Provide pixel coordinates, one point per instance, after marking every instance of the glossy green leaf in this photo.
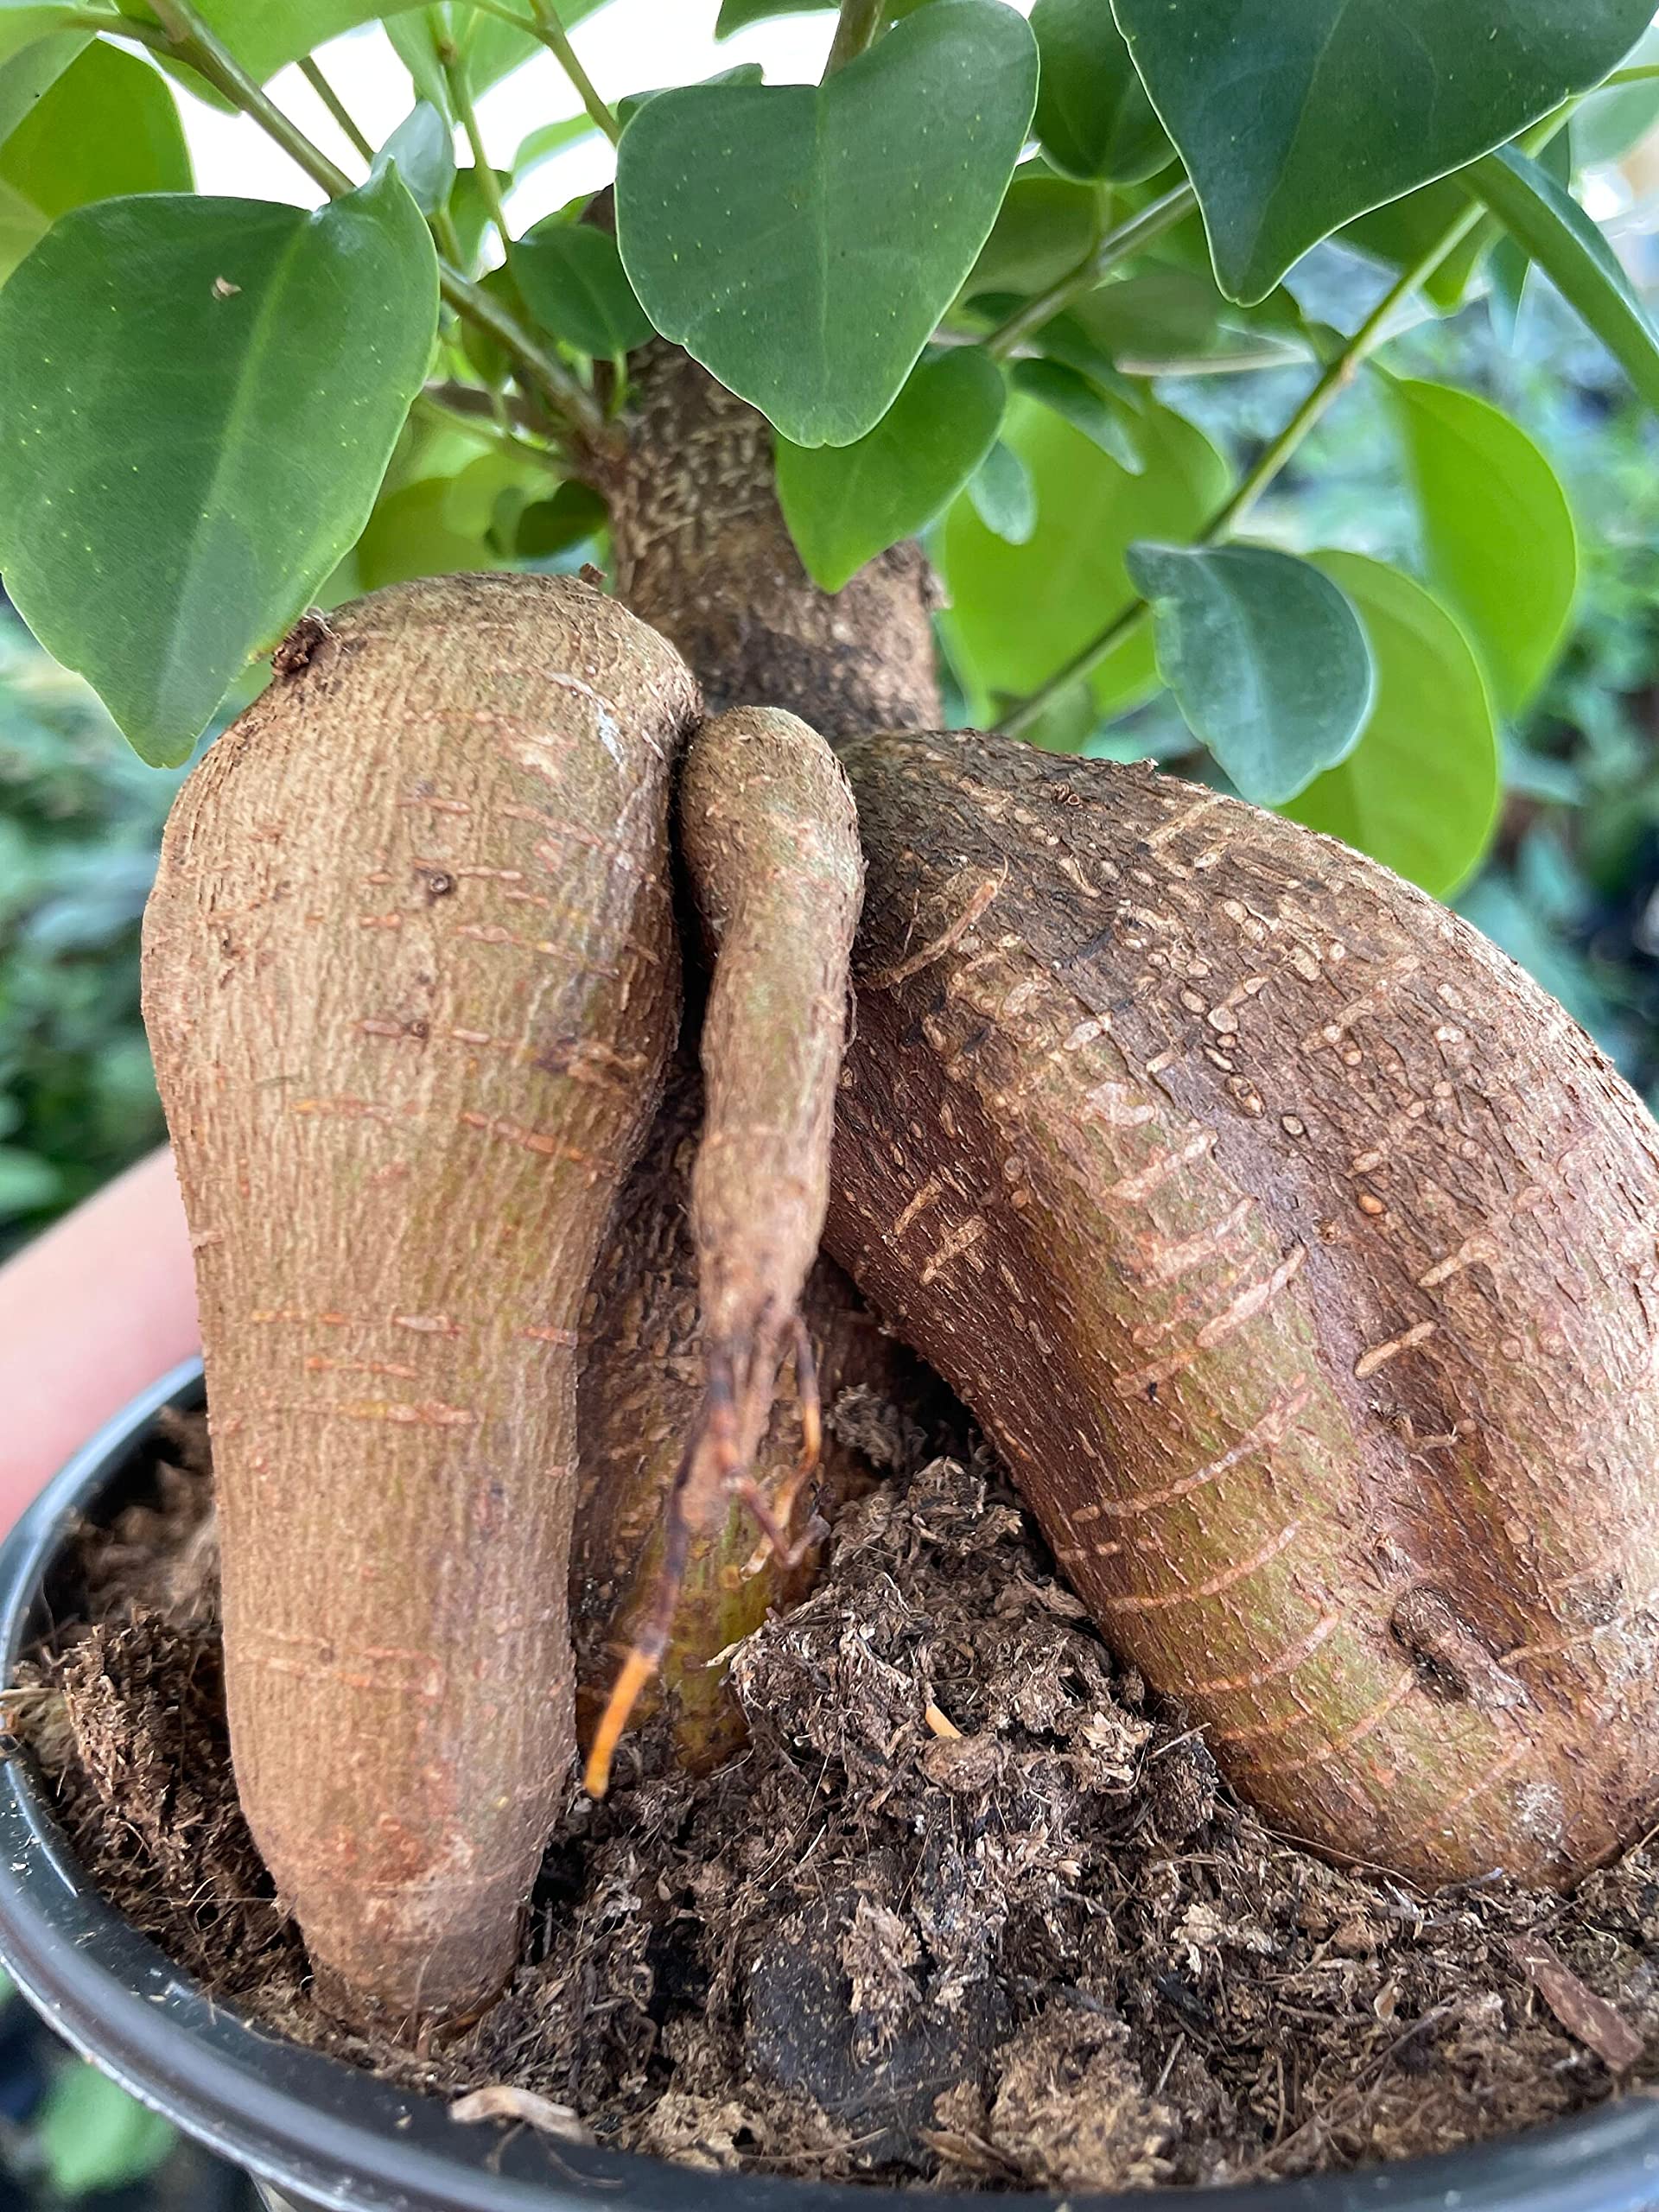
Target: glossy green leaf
(1093, 117)
(1295, 116)
(744, 72)
(29, 64)
(1572, 253)
(738, 15)
(411, 534)
(1499, 539)
(108, 126)
(266, 35)
(1510, 264)
(1607, 124)
(1403, 234)
(845, 504)
(549, 138)
(1019, 612)
(1045, 226)
(1419, 792)
(572, 280)
(1071, 394)
(93, 2137)
(548, 527)
(802, 241)
(1266, 657)
(200, 398)
(424, 147)
(486, 47)
(1003, 496)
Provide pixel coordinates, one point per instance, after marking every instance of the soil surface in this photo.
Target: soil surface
(970, 1909)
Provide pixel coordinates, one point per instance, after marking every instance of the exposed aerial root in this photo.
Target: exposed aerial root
(770, 839)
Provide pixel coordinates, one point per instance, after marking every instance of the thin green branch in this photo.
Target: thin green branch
(193, 40)
(436, 407)
(1377, 326)
(552, 34)
(855, 31)
(336, 107)
(489, 185)
(1115, 248)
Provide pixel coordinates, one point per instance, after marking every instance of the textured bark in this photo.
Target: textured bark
(702, 553)
(770, 840)
(412, 976)
(1299, 1254)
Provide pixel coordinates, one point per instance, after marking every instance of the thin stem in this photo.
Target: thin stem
(855, 31)
(336, 107)
(432, 405)
(1336, 379)
(461, 98)
(1115, 248)
(569, 395)
(193, 40)
(95, 20)
(551, 32)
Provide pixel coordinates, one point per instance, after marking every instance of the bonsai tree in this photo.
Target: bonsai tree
(1296, 1251)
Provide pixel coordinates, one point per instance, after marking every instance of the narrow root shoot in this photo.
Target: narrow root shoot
(770, 839)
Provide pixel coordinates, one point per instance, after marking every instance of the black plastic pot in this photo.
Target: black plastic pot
(319, 2133)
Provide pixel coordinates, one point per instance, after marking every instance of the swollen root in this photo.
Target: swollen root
(412, 980)
(770, 839)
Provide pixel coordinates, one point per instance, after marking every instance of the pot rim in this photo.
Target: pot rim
(344, 2140)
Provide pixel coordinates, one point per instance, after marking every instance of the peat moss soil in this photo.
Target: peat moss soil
(970, 1909)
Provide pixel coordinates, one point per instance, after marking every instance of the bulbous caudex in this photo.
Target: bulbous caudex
(1299, 1254)
(412, 980)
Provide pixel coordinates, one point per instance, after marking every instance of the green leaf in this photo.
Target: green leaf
(264, 35)
(1510, 264)
(845, 504)
(572, 280)
(1419, 792)
(1019, 612)
(1045, 226)
(744, 72)
(93, 2137)
(1294, 118)
(409, 534)
(108, 126)
(424, 147)
(1404, 234)
(202, 396)
(738, 15)
(1572, 253)
(1267, 659)
(549, 138)
(1071, 394)
(570, 518)
(1093, 117)
(1607, 124)
(1003, 496)
(1498, 533)
(802, 242)
(487, 47)
(31, 64)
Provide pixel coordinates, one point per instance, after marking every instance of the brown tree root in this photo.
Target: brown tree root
(770, 841)
(1299, 1254)
(411, 976)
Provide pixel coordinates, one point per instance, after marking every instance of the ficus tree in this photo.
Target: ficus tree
(1296, 1251)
